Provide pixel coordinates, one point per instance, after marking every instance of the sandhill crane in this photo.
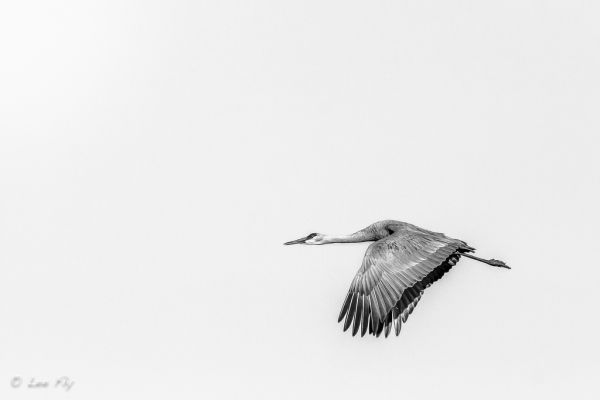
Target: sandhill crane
(396, 269)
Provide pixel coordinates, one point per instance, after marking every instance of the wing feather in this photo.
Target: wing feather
(351, 311)
(346, 305)
(365, 316)
(358, 315)
(375, 316)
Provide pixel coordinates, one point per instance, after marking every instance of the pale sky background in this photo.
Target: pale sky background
(155, 155)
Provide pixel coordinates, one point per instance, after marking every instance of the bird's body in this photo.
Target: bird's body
(401, 263)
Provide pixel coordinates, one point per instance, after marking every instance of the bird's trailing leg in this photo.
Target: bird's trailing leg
(492, 262)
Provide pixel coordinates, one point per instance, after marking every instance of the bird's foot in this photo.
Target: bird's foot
(498, 263)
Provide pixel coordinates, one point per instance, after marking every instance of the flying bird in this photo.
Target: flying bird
(397, 268)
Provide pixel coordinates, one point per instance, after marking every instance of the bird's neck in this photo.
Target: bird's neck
(360, 236)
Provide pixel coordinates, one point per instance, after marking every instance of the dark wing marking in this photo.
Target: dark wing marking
(394, 273)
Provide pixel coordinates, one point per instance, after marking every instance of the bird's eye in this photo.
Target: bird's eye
(312, 235)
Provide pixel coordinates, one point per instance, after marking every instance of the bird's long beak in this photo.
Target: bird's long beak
(298, 241)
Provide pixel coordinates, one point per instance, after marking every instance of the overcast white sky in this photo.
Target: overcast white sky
(155, 155)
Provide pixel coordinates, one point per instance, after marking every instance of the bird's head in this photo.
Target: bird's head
(313, 238)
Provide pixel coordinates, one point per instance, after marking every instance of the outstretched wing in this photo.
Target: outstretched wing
(394, 273)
